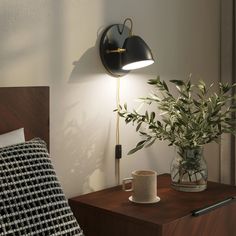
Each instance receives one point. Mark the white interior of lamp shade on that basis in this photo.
(137, 64)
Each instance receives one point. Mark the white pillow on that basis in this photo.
(13, 137)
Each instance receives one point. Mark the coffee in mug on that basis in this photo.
(143, 186)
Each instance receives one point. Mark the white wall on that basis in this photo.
(55, 43)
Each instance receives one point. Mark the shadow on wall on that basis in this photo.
(82, 125)
(86, 155)
(89, 64)
(82, 144)
(87, 67)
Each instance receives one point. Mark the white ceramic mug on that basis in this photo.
(143, 186)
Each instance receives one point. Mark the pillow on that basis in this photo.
(13, 137)
(32, 200)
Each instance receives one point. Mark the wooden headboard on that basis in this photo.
(26, 107)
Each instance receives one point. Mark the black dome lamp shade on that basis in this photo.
(137, 54)
(120, 51)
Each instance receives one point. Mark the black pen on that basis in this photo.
(206, 209)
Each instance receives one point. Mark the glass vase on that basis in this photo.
(189, 170)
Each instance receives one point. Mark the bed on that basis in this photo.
(32, 201)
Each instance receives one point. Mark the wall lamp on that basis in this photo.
(121, 51)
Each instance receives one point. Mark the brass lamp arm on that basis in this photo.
(118, 50)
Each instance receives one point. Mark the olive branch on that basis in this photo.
(194, 117)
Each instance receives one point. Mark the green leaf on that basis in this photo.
(141, 143)
(152, 116)
(177, 82)
(121, 114)
(154, 81)
(146, 115)
(202, 87)
(142, 133)
(134, 150)
(151, 127)
(138, 126)
(196, 103)
(139, 146)
(151, 143)
(165, 86)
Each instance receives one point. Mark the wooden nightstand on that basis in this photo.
(109, 213)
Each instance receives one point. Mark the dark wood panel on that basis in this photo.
(26, 107)
(220, 222)
(96, 222)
